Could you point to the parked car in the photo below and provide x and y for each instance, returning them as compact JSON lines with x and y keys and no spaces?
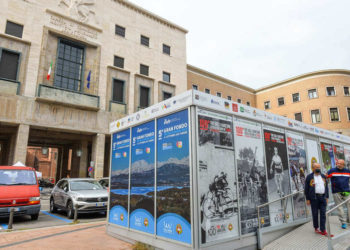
{"x":47,"y":183}
{"x":104,"y":182}
{"x":19,"y":189}
{"x":85,"y":193}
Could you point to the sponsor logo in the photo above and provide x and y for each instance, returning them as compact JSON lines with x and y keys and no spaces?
{"x":118,"y":124}
{"x":212,"y":231}
{"x":122,"y":123}
{"x":166,"y":106}
{"x":290,"y":124}
{"x":148,"y":150}
{"x":139,"y":151}
{"x":174,"y":102}
{"x":178,"y":229}
{"x":118,"y":155}
{"x":121,"y":216}
{"x":241,"y":109}
{"x":227,"y":105}
{"x":254,"y":112}
{"x":196,"y":97}
{"x":138,"y":117}
{"x":14,"y":202}
{"x":145,"y":222}
{"x":214,"y":102}
{"x":155,"y":110}
{"x":234,"y":107}
{"x":230,"y":227}
{"x":125,"y":154}
{"x":179,"y":144}
{"x":167,"y":146}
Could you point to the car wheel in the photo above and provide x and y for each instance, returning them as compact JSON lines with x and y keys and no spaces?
{"x":53,"y":208}
{"x":34,"y":216}
{"x":70,"y":210}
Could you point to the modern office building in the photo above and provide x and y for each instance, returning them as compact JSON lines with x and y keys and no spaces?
{"x":68,"y":68}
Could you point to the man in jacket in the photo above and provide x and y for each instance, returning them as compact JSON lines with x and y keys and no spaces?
{"x":340,"y":188}
{"x":316,"y":193}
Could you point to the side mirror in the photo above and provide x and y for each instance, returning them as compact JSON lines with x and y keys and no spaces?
{"x":65,"y":189}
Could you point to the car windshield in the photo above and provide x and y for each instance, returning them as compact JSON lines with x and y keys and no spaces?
{"x":17,"y":177}
{"x":85,"y":185}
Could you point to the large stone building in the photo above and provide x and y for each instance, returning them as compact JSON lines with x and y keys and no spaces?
{"x":68,"y":68}
{"x":319,"y":98}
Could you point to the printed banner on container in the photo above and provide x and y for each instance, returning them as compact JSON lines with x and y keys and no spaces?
{"x":313,"y":155}
{"x":173,"y":177}
{"x":119,"y":186}
{"x":338,"y":152}
{"x":142,"y":177}
{"x":252,"y":178}
{"x":298,"y":171}
{"x":278,"y":176}
{"x":216,"y":180}
{"x":327,"y":156}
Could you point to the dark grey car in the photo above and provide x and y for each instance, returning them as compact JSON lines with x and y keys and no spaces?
{"x":85,"y":193}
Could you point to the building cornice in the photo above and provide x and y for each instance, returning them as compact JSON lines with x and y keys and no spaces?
{"x":151,"y":15}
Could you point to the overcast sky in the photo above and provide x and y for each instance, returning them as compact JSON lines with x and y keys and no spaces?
{"x":258,"y":42}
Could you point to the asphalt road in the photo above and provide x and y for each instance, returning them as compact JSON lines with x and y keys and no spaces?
{"x":47,"y":219}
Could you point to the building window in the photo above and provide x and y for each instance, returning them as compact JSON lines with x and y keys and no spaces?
{"x":9,"y":63}
{"x":144,"y":69}
{"x":298,"y":117}
{"x":296,"y":97}
{"x":346,"y":91}
{"x":119,"y":30}
{"x":194,"y":86}
{"x":119,"y":62}
{"x":207,"y":91}
{"x":69,"y":66}
{"x":144,"y":97}
{"x":315,"y":116}
{"x":166,"y":95}
{"x":14,"y":29}
{"x":239,"y":100}
{"x":333,"y":112}
{"x":267,"y":105}
{"x":218,"y":94}
{"x":348,"y":111}
{"x":312,"y":93}
{"x":229,"y":98}
{"x":248,"y":103}
{"x":330,"y":91}
{"x":166,"y":49}
{"x":166,"y":76}
{"x":118,"y":91}
{"x":144,"y":40}
{"x":280,"y":101}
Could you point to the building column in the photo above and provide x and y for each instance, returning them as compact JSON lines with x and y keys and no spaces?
{"x":20,"y":151}
{"x":83,"y":159}
{"x":98,"y":153}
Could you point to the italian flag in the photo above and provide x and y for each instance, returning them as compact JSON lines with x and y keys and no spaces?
{"x":49,"y":73}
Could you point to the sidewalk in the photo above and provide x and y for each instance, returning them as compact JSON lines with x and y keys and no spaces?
{"x":80,"y":236}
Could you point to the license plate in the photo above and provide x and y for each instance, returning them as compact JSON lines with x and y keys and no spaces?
{"x":100,"y":204}
{"x":16,"y":209}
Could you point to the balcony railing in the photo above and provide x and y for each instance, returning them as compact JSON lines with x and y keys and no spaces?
{"x":9,"y":87}
{"x":68,"y":97}
{"x":117,"y":107}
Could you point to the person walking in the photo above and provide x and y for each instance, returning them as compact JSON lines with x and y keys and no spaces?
{"x":316,"y":193}
{"x":340,"y":177}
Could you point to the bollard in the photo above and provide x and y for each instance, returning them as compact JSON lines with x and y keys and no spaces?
{"x":12,"y":211}
{"x":75,"y":213}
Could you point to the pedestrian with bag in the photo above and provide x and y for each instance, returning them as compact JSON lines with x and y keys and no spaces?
{"x":340,"y":177}
{"x":316,"y":193}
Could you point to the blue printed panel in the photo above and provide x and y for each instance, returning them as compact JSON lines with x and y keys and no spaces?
{"x":120,"y":178}
{"x":142,"y":220}
{"x":173,"y":177}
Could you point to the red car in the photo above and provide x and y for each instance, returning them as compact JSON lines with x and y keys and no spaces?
{"x":19,"y":189}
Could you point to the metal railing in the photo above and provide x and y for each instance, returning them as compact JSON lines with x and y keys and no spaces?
{"x":330,"y":246}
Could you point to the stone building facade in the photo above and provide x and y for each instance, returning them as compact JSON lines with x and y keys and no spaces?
{"x":107,"y":58}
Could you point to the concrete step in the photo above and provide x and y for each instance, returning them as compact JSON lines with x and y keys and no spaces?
{"x":305,"y":238}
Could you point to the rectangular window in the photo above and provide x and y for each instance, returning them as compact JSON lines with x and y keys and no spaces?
{"x":330,"y":91}
{"x":248,"y":103}
{"x":346,"y":91}
{"x":218,"y":94}
{"x":119,"y":30}
{"x":166,"y":49}
{"x":14,"y":29}
{"x":296,"y":97}
{"x":298,"y":117}
{"x":280,"y":101}
{"x":166,"y":76}
{"x":144,"y":40}
{"x":267,"y":105}
{"x":144,"y":97}
{"x":315,"y":116}
{"x":312,"y":93}
{"x":119,"y":62}
{"x":348,"y":111}
{"x":118,"y":91}
{"x":194,"y":87}
{"x":69,"y":66}
{"x":229,"y":98}
{"x":144,"y":69}
{"x":9,"y":63}
{"x":207,"y":91}
{"x":333,"y":112}
{"x":166,"y":95}
{"x":239,"y":100}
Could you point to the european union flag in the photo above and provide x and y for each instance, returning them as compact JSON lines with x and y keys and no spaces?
{"x":88,"y":79}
